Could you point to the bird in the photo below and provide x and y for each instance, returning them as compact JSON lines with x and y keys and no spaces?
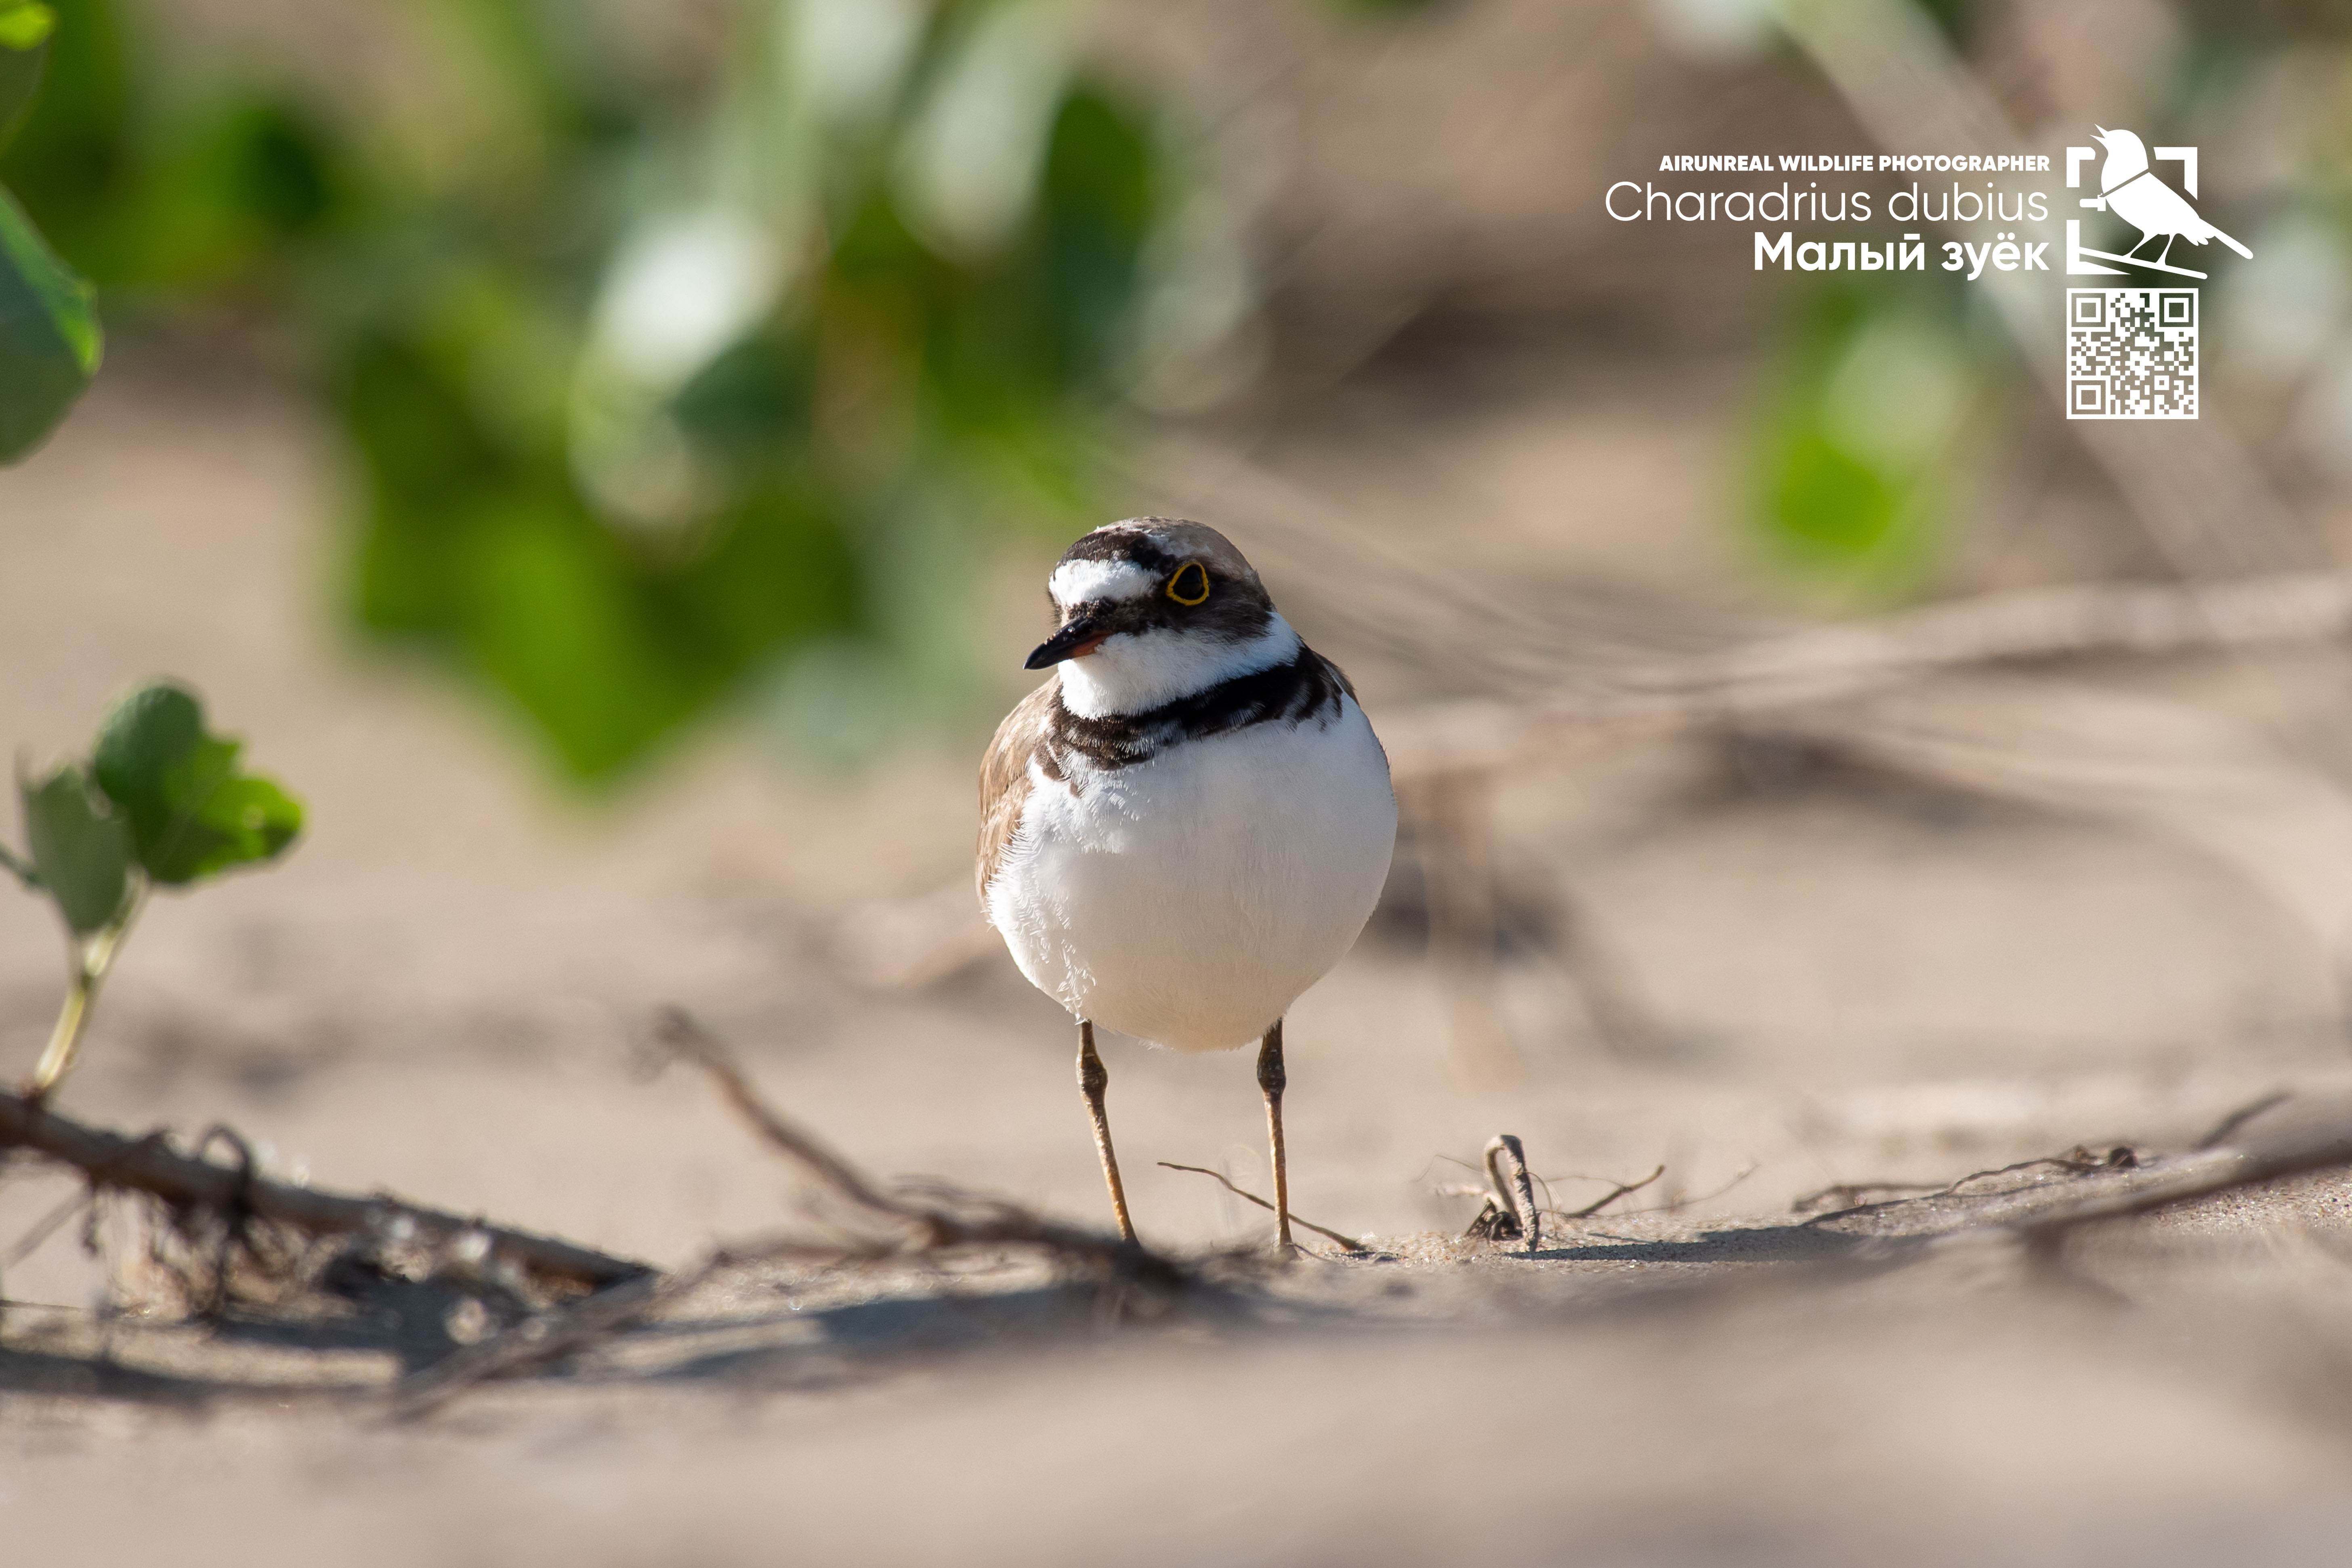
{"x":1189,"y":822}
{"x":2141,"y":199}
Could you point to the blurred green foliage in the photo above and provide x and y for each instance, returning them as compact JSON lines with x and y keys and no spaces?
{"x":1856,"y":455}
{"x":49,"y":339}
{"x":658,"y":391}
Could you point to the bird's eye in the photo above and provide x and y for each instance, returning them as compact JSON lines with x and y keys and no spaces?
{"x":1190,"y":584}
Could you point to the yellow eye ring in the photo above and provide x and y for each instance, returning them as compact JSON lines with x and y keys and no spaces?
{"x":1190,"y":575}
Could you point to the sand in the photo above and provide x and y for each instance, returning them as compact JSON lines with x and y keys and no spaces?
{"x":441,"y":992}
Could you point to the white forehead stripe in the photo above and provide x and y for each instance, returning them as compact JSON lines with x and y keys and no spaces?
{"x":1078,"y":582}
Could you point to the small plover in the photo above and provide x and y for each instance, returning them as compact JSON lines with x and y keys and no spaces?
{"x":1188,"y":823}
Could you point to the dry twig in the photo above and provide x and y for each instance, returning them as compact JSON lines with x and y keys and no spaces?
{"x":1620,"y":1190}
{"x":2323,"y":1147}
{"x":1682,"y":1202}
{"x":2111,"y":1183}
{"x":955,"y":1221}
{"x":46,"y":1227}
{"x":1350,"y":1242}
{"x":190,"y":1182}
{"x":1804,"y":668}
{"x":540,"y":1339}
{"x":2075,"y":1162}
{"x":2238,"y":1119}
{"x":913,"y":1231}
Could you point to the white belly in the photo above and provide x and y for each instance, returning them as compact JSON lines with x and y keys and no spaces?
{"x":1189,"y":899}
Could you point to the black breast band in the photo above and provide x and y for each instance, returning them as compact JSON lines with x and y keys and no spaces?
{"x":1308,"y":689}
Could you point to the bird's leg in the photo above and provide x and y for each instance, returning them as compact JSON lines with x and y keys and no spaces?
{"x":1092,"y":1081}
{"x":2144,"y":240}
{"x":2165,"y":254}
{"x":1272,"y":1079}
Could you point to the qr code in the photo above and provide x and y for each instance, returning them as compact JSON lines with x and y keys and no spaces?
{"x":2131,"y":353}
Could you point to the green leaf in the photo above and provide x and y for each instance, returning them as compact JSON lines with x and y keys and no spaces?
{"x":25,"y":25}
{"x":24,"y":30}
{"x":20,"y":83}
{"x":192,"y":813}
{"x":144,"y":733}
{"x":20,"y":867}
{"x":247,"y":819}
{"x":49,"y":334}
{"x":82,"y":851}
{"x":79,"y":163}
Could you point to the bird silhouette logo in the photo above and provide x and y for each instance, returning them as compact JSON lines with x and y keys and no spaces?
{"x":2130,"y":187}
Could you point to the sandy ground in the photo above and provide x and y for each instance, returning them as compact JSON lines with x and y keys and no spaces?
{"x":439,"y":993}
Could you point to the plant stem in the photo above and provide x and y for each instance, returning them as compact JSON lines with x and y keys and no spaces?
{"x":11,"y":861}
{"x":91,"y":960}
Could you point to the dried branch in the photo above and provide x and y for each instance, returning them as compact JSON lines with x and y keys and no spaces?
{"x":1350,"y":1242}
{"x":919,"y":1231}
{"x":1681,"y":1204}
{"x":2075,"y":1162}
{"x":541,"y":1338}
{"x":46,"y":1227}
{"x":1619,"y":1191}
{"x":2326,"y":1146}
{"x":190,"y":1182}
{"x":2105,"y":1184}
{"x":956,"y":1221}
{"x":2238,"y":1119}
{"x":1801,"y":669}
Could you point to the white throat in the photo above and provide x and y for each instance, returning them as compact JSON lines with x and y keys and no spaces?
{"x":1135,"y":672}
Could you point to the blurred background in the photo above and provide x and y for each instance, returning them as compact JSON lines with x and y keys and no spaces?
{"x":673,"y":358}
{"x":619,"y":446}
{"x":605,"y":456}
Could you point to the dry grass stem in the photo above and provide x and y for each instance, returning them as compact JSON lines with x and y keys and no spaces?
{"x":1620,"y":1190}
{"x":1350,"y":1242}
{"x":917,"y":1229}
{"x":542,"y":1338}
{"x":946,"y":1220}
{"x":2321,"y":1147}
{"x":2098,"y":1184}
{"x":1848,"y":1196}
{"x":2223,"y":1129}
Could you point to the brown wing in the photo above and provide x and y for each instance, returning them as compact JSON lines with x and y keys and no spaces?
{"x":1005,"y":777}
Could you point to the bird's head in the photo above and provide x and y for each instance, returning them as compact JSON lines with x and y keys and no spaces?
{"x":1153,"y":610}
{"x":2127,"y":153}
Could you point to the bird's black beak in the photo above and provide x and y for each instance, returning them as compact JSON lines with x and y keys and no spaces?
{"x":1076,"y":640}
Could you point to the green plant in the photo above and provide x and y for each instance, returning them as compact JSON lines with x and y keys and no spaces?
{"x":161,"y":802}
{"x":1857,"y":453}
{"x":661,"y":388}
{"x":49,"y":339}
